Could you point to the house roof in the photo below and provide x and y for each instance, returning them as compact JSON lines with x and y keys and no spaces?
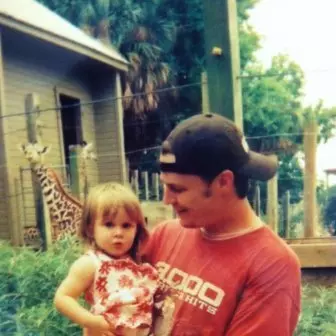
{"x":30,"y":17}
{"x":331,"y":171}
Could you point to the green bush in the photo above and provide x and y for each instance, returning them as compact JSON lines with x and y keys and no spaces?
{"x":29,"y":279}
{"x":318,"y":316}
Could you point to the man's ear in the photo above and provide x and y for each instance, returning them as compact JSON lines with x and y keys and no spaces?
{"x":225,"y":180}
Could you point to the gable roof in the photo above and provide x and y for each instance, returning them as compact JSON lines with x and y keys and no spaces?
{"x":32,"y":18}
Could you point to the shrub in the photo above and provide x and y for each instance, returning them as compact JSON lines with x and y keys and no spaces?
{"x":318,"y":315}
{"x":28,"y":281}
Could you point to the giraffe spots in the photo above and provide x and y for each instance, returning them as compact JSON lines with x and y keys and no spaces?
{"x":64,"y":224}
{"x":32,"y":236}
{"x":59,"y":205}
{"x":43,"y":179}
{"x":56,"y":218}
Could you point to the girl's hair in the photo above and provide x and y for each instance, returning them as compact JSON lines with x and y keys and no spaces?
{"x":105,"y":200}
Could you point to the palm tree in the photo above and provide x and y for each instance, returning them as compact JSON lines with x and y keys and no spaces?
{"x":144,"y":32}
{"x":108,"y":20}
{"x":141,"y":32}
{"x":146,"y":45}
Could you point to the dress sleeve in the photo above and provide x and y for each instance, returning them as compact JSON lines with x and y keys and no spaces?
{"x":270,"y":302}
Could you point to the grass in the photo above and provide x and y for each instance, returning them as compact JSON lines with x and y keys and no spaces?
{"x":318,"y":315}
{"x":29,"y":279}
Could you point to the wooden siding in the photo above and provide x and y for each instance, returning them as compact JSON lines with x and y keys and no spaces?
{"x":109,"y":139}
{"x":4,"y":227}
{"x":31,"y":70}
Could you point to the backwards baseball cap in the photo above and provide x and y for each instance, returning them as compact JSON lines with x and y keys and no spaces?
{"x":206,"y":144}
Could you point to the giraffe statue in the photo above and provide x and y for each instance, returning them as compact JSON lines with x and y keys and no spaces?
{"x":65,"y":211}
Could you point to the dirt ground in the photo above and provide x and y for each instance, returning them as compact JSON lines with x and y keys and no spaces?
{"x":325,"y":277}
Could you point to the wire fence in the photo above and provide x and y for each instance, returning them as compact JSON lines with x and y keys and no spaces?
{"x":148,"y":187}
{"x":143,"y":135}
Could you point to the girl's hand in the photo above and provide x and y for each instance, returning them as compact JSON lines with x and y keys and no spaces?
{"x":98,"y":326}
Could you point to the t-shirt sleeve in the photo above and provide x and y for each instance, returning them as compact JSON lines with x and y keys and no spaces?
{"x":270,"y":303}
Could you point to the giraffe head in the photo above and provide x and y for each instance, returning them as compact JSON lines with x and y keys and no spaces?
{"x":87,"y":152}
{"x":34,"y":152}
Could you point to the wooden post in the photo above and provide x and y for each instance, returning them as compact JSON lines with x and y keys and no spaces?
{"x":18,"y":213}
{"x":145,"y":179}
{"x":309,"y":190}
{"x":223,"y":59}
{"x":286,"y":214}
{"x":75,"y":179}
{"x":8,"y":169}
{"x":34,"y":135}
{"x":131,"y":179}
{"x":32,"y":104}
{"x":136,"y":182}
{"x":205,"y":94}
{"x":120,"y":120}
{"x":156,"y":184}
{"x":327,"y":180}
{"x":256,"y":200}
{"x":272,"y":203}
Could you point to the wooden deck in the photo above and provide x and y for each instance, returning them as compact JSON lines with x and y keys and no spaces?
{"x":315,"y":252}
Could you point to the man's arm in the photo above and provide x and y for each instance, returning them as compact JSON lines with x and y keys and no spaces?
{"x":270,"y":303}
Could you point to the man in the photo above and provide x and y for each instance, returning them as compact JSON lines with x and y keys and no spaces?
{"x":230,"y":273}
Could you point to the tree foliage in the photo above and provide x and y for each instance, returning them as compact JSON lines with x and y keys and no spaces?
{"x":271,"y":103}
{"x":330,"y":211}
{"x":164,"y":42}
{"x":143,"y":31}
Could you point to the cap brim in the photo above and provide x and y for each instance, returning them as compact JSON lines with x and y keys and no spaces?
{"x":260,"y":167}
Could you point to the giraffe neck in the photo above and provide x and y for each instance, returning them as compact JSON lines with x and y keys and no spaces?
{"x":55,"y":196}
{"x":83,"y":173}
{"x":46,"y":182}
{"x":40,"y":171}
{"x":65,"y":211}
{"x":58,"y":185}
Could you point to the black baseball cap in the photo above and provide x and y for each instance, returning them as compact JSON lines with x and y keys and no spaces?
{"x":207,"y":144}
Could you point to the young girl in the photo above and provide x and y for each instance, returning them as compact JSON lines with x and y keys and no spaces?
{"x":119,"y":288}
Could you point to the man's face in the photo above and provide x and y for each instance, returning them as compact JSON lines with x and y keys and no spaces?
{"x":196,"y":203}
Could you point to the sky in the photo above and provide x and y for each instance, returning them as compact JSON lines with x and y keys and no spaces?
{"x":305,"y":30}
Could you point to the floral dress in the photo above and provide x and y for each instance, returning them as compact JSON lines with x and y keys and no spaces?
{"x":123,"y":292}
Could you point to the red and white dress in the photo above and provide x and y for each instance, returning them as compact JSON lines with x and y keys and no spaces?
{"x":123,"y":292}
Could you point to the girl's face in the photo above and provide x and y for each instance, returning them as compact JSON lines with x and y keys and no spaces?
{"x":114,"y":234}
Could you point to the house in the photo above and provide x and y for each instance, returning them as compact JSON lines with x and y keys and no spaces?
{"x":75,"y":80}
{"x":329,"y":172}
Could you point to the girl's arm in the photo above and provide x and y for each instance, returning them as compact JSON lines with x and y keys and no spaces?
{"x":79,"y":279}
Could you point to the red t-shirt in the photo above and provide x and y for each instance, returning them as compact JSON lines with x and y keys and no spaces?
{"x":247,"y":285}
